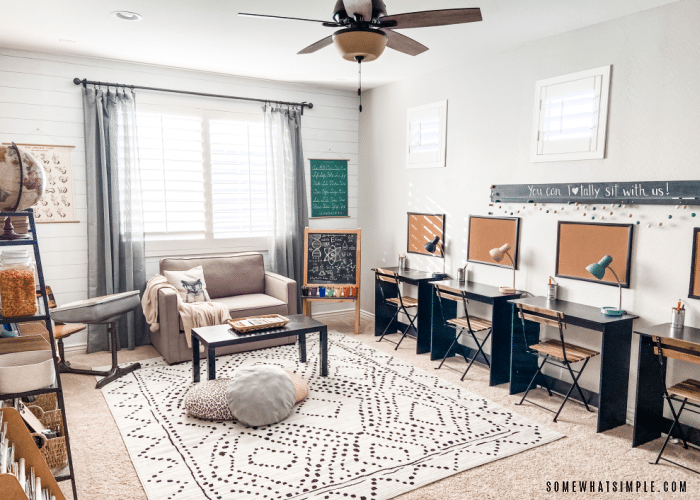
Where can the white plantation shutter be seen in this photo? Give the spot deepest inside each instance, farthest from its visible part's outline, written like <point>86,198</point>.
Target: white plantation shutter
<point>239,202</point>
<point>203,176</point>
<point>172,175</point>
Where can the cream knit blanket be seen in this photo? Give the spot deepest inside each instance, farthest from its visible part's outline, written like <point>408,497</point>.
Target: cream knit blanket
<point>193,314</point>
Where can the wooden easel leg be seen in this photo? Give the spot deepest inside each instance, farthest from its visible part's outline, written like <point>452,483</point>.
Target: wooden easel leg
<point>306,307</point>
<point>357,316</point>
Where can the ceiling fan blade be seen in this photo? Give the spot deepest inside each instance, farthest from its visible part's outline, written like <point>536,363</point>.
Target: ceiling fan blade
<point>429,18</point>
<point>404,44</point>
<point>264,16</point>
<point>324,42</point>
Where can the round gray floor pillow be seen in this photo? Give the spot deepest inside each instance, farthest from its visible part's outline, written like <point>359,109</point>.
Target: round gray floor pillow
<point>260,395</point>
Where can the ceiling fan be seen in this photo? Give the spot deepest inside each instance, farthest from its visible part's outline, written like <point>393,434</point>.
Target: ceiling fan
<point>366,29</point>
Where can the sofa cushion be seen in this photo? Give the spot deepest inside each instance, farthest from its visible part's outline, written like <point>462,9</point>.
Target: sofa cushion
<point>226,275</point>
<point>253,304</point>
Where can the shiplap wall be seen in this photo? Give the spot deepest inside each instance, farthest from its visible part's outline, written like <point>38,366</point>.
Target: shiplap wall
<point>39,104</point>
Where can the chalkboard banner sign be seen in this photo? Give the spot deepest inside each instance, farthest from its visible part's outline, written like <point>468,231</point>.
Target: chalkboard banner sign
<point>628,193</point>
<point>329,188</point>
<point>332,256</point>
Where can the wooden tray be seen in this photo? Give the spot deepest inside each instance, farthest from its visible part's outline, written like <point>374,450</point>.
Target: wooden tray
<point>252,323</point>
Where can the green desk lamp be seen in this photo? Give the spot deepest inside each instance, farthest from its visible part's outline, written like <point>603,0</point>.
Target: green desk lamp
<point>598,269</point>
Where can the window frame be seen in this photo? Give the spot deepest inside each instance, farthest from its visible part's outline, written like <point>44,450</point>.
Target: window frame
<point>162,244</point>
<point>602,116</point>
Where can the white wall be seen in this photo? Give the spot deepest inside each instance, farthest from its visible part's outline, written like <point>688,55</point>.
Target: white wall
<point>39,104</point>
<point>653,123</point>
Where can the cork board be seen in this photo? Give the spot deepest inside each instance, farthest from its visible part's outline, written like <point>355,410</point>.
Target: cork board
<point>582,243</point>
<point>694,292</point>
<point>422,228</point>
<point>486,233</point>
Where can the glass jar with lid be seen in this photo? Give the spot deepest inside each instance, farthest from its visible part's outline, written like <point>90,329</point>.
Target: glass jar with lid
<point>17,286</point>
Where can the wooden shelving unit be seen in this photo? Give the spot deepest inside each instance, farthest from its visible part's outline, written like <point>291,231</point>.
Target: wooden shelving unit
<point>23,440</point>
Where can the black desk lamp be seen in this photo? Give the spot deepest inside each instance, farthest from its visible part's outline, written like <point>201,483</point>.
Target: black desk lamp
<point>431,246</point>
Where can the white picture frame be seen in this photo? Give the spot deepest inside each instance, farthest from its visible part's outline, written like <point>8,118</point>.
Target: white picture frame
<point>571,115</point>
<point>426,135</point>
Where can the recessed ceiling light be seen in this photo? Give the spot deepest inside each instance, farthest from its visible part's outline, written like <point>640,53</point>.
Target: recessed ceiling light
<point>125,15</point>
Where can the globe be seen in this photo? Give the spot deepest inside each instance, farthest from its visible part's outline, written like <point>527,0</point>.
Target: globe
<point>33,179</point>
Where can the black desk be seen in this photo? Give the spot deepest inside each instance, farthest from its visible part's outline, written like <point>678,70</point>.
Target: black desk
<point>383,313</point>
<point>501,318</point>
<point>614,353</point>
<point>649,421</point>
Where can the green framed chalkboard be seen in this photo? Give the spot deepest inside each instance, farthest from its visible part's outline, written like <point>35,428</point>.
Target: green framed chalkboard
<point>329,188</point>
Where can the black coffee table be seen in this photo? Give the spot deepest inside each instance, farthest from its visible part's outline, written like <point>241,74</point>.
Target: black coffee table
<point>223,335</point>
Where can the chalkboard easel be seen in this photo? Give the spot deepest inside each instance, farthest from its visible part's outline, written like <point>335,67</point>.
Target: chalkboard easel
<point>332,259</point>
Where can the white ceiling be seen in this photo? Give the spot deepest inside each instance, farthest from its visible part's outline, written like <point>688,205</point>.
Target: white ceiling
<point>208,35</point>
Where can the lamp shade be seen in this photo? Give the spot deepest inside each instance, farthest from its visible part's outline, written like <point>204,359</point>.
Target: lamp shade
<point>497,254</point>
<point>597,269</point>
<point>431,246</point>
<point>353,43</point>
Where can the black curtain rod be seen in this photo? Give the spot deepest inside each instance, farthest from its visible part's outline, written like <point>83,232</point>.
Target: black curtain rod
<point>84,82</point>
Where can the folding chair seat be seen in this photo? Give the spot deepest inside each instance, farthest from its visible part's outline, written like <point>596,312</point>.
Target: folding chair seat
<point>389,285</point>
<point>687,393</point>
<point>465,325</point>
<point>558,353</point>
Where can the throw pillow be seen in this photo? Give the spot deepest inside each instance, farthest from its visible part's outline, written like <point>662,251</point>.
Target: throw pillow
<point>190,284</point>
<point>260,395</point>
<point>207,400</point>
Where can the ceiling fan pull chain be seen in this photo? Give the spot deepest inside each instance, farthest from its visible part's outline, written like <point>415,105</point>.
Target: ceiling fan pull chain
<point>359,79</point>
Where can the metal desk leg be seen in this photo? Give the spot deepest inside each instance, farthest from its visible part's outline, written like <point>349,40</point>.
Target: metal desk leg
<point>425,307</point>
<point>195,359</point>
<point>649,402</point>
<point>115,371</point>
<point>501,321</point>
<point>324,351</point>
<point>211,362</point>
<point>614,375</point>
<point>302,347</point>
<point>441,335</point>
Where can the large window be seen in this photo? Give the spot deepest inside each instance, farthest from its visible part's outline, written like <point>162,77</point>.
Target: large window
<point>203,177</point>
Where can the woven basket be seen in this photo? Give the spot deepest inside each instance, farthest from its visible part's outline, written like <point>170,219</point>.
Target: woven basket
<point>46,402</point>
<point>54,450</point>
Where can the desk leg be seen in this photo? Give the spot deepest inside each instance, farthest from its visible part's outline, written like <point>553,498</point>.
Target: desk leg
<point>649,402</point>
<point>523,365</point>
<point>382,313</point>
<point>324,351</point>
<point>211,362</point>
<point>425,319</point>
<point>441,335</point>
<point>502,323</point>
<point>302,347</point>
<point>614,375</point>
<point>195,359</point>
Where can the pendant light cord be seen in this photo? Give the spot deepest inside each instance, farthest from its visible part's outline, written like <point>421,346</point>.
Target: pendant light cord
<point>359,79</point>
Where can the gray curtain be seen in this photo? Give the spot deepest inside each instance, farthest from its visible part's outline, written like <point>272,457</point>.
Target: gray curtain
<point>287,212</point>
<point>116,257</point>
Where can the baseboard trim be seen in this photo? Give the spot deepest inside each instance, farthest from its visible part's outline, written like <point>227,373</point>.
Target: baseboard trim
<point>82,348</point>
<point>329,314</point>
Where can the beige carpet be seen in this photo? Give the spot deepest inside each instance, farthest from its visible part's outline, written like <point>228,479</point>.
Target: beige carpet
<point>104,470</point>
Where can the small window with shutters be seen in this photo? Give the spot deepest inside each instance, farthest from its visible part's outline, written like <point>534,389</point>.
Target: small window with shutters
<point>203,177</point>
<point>571,116</point>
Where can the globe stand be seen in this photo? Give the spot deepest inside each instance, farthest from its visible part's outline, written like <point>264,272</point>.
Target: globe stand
<point>9,232</point>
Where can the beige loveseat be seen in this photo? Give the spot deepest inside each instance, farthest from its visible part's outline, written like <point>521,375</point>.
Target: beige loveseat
<point>237,280</point>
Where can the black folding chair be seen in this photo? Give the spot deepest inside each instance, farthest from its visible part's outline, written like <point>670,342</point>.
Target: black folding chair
<point>467,324</point>
<point>554,352</point>
<point>390,279</point>
<point>682,392</point>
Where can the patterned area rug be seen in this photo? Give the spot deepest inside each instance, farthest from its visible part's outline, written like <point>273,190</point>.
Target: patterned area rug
<point>374,428</point>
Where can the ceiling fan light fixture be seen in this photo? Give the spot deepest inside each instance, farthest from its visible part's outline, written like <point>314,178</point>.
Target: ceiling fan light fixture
<point>366,43</point>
